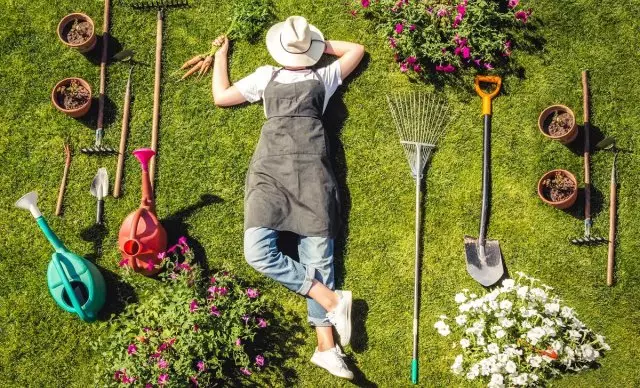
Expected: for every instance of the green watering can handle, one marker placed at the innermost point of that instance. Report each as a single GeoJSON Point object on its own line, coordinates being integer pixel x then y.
{"type": "Point", "coordinates": [414, 371]}
{"type": "Point", "coordinates": [67, 286]}
{"type": "Point", "coordinates": [53, 239]}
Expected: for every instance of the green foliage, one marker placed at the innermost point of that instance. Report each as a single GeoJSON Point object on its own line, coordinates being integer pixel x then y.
{"type": "Point", "coordinates": [187, 328]}
{"type": "Point", "coordinates": [445, 35]}
{"type": "Point", "coordinates": [250, 17]}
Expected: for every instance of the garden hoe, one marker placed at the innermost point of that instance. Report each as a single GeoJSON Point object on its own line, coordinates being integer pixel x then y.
{"type": "Point", "coordinates": [587, 239]}
{"type": "Point", "coordinates": [159, 5]}
{"type": "Point", "coordinates": [74, 282]}
{"type": "Point", "coordinates": [420, 119]}
{"type": "Point", "coordinates": [65, 175]}
{"type": "Point", "coordinates": [99, 148]}
{"type": "Point", "coordinates": [484, 260]}
{"type": "Point", "coordinates": [609, 144]}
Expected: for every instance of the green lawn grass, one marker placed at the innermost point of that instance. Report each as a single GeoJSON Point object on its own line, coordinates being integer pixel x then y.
{"type": "Point", "coordinates": [205, 151]}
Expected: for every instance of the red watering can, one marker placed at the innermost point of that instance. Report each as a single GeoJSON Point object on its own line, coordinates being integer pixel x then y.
{"type": "Point", "coordinates": [141, 236]}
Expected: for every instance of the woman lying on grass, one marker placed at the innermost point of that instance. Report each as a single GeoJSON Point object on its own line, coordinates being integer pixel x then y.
{"type": "Point", "coordinates": [290, 184]}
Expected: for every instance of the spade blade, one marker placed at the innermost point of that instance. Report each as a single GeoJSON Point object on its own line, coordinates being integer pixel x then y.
{"type": "Point", "coordinates": [487, 270]}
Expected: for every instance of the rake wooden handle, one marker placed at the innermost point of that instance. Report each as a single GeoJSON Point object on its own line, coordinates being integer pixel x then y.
{"type": "Point", "coordinates": [587, 159]}
{"type": "Point", "coordinates": [612, 228]}
{"type": "Point", "coordinates": [103, 63]}
{"type": "Point", "coordinates": [63, 183]}
{"type": "Point", "coordinates": [123, 138]}
{"type": "Point", "coordinates": [156, 97]}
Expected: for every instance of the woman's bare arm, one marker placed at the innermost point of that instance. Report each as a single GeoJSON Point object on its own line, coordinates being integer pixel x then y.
{"type": "Point", "coordinates": [223, 93]}
{"type": "Point", "coordinates": [349, 55]}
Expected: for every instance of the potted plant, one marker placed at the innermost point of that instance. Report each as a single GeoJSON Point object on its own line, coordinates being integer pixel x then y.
{"type": "Point", "coordinates": [558, 188]}
{"type": "Point", "coordinates": [77, 31]}
{"type": "Point", "coordinates": [72, 96]}
{"type": "Point", "coordinates": [558, 122]}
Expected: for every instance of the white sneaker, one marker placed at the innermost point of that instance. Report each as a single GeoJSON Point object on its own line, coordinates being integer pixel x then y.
{"type": "Point", "coordinates": [332, 361]}
{"type": "Point", "coordinates": [340, 317]}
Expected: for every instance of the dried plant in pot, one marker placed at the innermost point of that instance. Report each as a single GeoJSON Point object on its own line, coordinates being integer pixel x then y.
{"type": "Point", "coordinates": [558, 122]}
{"type": "Point", "coordinates": [558, 188]}
{"type": "Point", "coordinates": [77, 31]}
{"type": "Point", "coordinates": [72, 96]}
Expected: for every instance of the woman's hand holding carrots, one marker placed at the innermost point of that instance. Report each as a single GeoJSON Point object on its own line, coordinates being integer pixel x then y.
{"type": "Point", "coordinates": [202, 63]}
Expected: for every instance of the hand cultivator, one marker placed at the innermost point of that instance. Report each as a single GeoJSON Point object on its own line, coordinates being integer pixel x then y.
{"type": "Point", "coordinates": [420, 120]}
{"type": "Point", "coordinates": [587, 239]}
{"type": "Point", "coordinates": [159, 5]}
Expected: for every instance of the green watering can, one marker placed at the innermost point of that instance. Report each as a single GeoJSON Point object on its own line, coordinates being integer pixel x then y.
{"type": "Point", "coordinates": [74, 283]}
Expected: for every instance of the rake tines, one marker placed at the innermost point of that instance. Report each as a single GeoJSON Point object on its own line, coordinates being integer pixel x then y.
{"type": "Point", "coordinates": [589, 240]}
{"type": "Point", "coordinates": [99, 149]}
{"type": "Point", "coordinates": [159, 4]}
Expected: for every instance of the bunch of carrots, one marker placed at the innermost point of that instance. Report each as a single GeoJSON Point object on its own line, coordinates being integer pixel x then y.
{"type": "Point", "coordinates": [200, 64]}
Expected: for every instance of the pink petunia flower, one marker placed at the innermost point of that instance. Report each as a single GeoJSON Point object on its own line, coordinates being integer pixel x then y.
{"type": "Point", "coordinates": [523, 16]}
{"type": "Point", "coordinates": [462, 9]}
{"type": "Point", "coordinates": [513, 3]}
{"type": "Point", "coordinates": [132, 349]}
{"type": "Point", "coordinates": [238, 342]}
{"type": "Point", "coordinates": [478, 62]}
{"type": "Point", "coordinates": [193, 306]}
{"type": "Point", "coordinates": [194, 380]}
{"type": "Point", "coordinates": [245, 371]}
{"type": "Point", "coordinates": [411, 60]}
{"type": "Point", "coordinates": [457, 21]}
{"type": "Point", "coordinates": [262, 323]}
{"type": "Point", "coordinates": [163, 379]}
{"type": "Point", "coordinates": [488, 66]}
{"type": "Point", "coordinates": [212, 280]}
{"type": "Point", "coordinates": [172, 249]}
{"type": "Point", "coordinates": [252, 293]}
{"type": "Point", "coordinates": [446, 69]}
{"type": "Point", "coordinates": [123, 263]}
{"type": "Point", "coordinates": [162, 255]}
{"type": "Point", "coordinates": [156, 355]}
{"type": "Point", "coordinates": [148, 385]}
{"type": "Point", "coordinates": [404, 67]}
{"type": "Point", "coordinates": [466, 52]}
{"type": "Point", "coordinates": [392, 42]}
{"type": "Point", "coordinates": [128, 380]}
{"type": "Point", "coordinates": [201, 366]}
{"type": "Point", "coordinates": [399, 28]}
{"type": "Point", "coordinates": [119, 374]}
{"type": "Point", "coordinates": [442, 12]}
{"type": "Point", "coordinates": [353, 12]}
{"type": "Point", "coordinates": [162, 363]}
{"type": "Point", "coordinates": [245, 318]}
{"type": "Point", "coordinates": [260, 360]}
{"type": "Point", "coordinates": [507, 49]}
{"type": "Point", "coordinates": [196, 328]}
{"type": "Point", "coordinates": [182, 240]}
{"type": "Point", "coordinates": [215, 311]}
{"type": "Point", "coordinates": [412, 27]}
{"type": "Point", "coordinates": [222, 291]}
{"type": "Point", "coordinates": [417, 68]}
{"type": "Point", "coordinates": [365, 3]}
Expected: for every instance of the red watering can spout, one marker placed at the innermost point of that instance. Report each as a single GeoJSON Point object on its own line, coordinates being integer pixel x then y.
{"type": "Point", "coordinates": [144, 155]}
{"type": "Point", "coordinates": [131, 247]}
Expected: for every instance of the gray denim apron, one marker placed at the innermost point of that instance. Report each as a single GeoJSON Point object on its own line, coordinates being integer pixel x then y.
{"type": "Point", "coordinates": [290, 183]}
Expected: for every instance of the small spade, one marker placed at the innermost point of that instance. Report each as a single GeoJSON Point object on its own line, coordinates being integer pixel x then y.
{"type": "Point", "coordinates": [100, 189]}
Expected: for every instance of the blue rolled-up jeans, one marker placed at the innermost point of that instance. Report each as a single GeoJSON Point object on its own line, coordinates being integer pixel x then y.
{"type": "Point", "coordinates": [316, 262]}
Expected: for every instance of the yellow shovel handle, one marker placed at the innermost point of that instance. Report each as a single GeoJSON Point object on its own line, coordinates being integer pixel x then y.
{"type": "Point", "coordinates": [487, 97]}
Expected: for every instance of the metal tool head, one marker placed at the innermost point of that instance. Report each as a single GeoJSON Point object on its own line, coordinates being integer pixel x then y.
{"type": "Point", "coordinates": [589, 240]}
{"type": "Point", "coordinates": [99, 150]}
{"type": "Point", "coordinates": [484, 263]}
{"type": "Point", "coordinates": [100, 184]}
{"type": "Point", "coordinates": [148, 4]}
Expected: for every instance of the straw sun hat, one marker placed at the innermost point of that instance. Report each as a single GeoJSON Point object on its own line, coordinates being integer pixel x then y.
{"type": "Point", "coordinates": [295, 42]}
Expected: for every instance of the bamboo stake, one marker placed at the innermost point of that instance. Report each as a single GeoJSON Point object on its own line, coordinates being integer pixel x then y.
{"type": "Point", "coordinates": [123, 137]}
{"type": "Point", "coordinates": [65, 175]}
{"type": "Point", "coordinates": [156, 97]}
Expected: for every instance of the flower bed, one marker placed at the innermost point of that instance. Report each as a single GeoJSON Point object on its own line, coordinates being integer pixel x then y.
{"type": "Point", "coordinates": [445, 36]}
{"type": "Point", "coordinates": [519, 335]}
{"type": "Point", "coordinates": [187, 329]}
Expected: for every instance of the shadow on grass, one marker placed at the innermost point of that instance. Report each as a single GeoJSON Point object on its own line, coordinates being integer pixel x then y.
{"type": "Point", "coordinates": [176, 227]}
{"type": "Point", "coordinates": [119, 294]}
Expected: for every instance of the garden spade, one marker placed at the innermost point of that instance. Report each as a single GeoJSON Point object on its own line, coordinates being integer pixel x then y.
{"type": "Point", "coordinates": [100, 189]}
{"type": "Point", "coordinates": [484, 260]}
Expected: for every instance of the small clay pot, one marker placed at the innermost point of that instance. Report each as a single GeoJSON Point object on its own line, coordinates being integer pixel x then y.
{"type": "Point", "coordinates": [67, 22]}
{"type": "Point", "coordinates": [77, 112]}
{"type": "Point", "coordinates": [565, 203]}
{"type": "Point", "coordinates": [544, 119]}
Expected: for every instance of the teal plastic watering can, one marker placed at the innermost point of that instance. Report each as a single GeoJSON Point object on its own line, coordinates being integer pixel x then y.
{"type": "Point", "coordinates": [74, 283]}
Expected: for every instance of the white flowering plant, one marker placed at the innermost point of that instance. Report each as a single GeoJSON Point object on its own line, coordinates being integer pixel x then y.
{"type": "Point", "coordinates": [518, 334]}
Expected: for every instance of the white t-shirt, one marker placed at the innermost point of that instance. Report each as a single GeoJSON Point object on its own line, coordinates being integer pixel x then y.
{"type": "Point", "coordinates": [252, 86]}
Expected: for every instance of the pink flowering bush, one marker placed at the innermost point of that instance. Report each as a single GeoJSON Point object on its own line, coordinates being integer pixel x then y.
{"type": "Point", "coordinates": [187, 330]}
{"type": "Point", "coordinates": [446, 36]}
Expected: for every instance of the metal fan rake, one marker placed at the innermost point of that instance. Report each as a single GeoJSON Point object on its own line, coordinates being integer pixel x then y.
{"type": "Point", "coordinates": [420, 119]}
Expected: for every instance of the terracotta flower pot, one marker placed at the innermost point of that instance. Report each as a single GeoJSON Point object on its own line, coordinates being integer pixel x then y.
{"type": "Point", "coordinates": [77, 112]}
{"type": "Point", "coordinates": [565, 203]}
{"type": "Point", "coordinates": [65, 25]}
{"type": "Point", "coordinates": [544, 120]}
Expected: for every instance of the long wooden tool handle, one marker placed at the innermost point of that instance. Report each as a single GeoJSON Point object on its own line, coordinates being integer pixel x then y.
{"type": "Point", "coordinates": [156, 98]}
{"type": "Point", "coordinates": [612, 227]}
{"type": "Point", "coordinates": [123, 137]}
{"type": "Point", "coordinates": [587, 160]}
{"type": "Point", "coordinates": [103, 63]}
{"type": "Point", "coordinates": [65, 175]}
